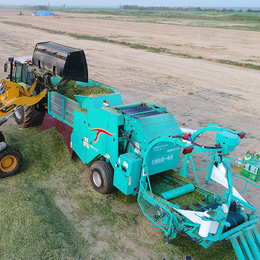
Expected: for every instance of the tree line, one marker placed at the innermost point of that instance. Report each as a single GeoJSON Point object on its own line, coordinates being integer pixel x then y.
{"type": "Point", "coordinates": [161, 8]}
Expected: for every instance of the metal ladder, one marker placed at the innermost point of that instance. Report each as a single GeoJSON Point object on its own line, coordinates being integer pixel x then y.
{"type": "Point", "coordinates": [246, 243]}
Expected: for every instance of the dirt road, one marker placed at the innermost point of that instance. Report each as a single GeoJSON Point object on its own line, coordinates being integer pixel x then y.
{"type": "Point", "coordinates": [196, 91]}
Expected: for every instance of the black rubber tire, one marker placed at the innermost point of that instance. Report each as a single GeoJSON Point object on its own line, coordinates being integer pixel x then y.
{"type": "Point", "coordinates": [25, 116]}
{"type": "Point", "coordinates": [2, 88]}
{"type": "Point", "coordinates": [10, 161]}
{"type": "Point", "coordinates": [101, 177]}
{"type": "Point", "coordinates": [2, 137]}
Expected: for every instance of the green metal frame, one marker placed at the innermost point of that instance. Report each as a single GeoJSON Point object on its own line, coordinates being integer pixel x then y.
{"type": "Point", "coordinates": [166, 216]}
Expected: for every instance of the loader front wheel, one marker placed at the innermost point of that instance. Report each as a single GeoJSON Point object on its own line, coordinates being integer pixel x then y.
{"type": "Point", "coordinates": [101, 177]}
{"type": "Point", "coordinates": [10, 162]}
{"type": "Point", "coordinates": [25, 116]}
{"type": "Point", "coordinates": [2, 137]}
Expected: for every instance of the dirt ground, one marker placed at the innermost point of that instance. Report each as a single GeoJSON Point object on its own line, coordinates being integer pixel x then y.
{"type": "Point", "coordinates": [196, 91]}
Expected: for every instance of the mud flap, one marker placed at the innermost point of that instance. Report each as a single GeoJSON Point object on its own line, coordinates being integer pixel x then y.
{"type": "Point", "coordinates": [65, 130]}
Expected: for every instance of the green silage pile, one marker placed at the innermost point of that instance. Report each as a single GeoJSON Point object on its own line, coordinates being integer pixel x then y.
{"type": "Point", "coordinates": [32, 226]}
{"type": "Point", "coordinates": [165, 182]}
{"type": "Point", "coordinates": [86, 91]}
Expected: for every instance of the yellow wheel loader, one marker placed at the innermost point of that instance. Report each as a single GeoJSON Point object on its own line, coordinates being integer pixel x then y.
{"type": "Point", "coordinates": [14, 97]}
{"type": "Point", "coordinates": [24, 93]}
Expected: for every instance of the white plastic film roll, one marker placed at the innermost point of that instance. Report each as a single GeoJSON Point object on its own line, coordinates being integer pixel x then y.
{"type": "Point", "coordinates": [204, 228]}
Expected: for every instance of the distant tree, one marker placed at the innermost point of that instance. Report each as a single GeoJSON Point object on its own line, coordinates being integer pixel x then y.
{"type": "Point", "coordinates": [130, 7]}
{"type": "Point", "coordinates": [253, 11]}
{"type": "Point", "coordinates": [40, 7]}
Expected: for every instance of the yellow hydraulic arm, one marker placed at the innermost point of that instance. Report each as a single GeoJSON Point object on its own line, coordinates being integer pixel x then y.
{"type": "Point", "coordinates": [16, 96]}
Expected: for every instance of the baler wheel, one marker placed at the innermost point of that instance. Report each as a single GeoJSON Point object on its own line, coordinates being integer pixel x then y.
{"type": "Point", "coordinates": [101, 177]}
{"type": "Point", "coordinates": [10, 161]}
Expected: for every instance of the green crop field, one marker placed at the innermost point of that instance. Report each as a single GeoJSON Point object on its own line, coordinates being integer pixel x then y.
{"type": "Point", "coordinates": [198, 17]}
{"type": "Point", "coordinates": [240, 20]}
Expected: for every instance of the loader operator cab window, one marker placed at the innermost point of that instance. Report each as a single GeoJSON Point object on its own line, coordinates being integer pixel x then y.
{"type": "Point", "coordinates": [30, 76]}
{"type": "Point", "coordinates": [18, 72]}
{"type": "Point", "coordinates": [23, 74]}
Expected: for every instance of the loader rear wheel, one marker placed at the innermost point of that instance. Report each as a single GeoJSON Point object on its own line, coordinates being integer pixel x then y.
{"type": "Point", "coordinates": [25, 116]}
{"type": "Point", "coordinates": [101, 177]}
{"type": "Point", "coordinates": [10, 161]}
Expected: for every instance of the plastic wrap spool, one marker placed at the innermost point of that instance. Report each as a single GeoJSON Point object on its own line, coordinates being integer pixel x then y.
{"type": "Point", "coordinates": [204, 228]}
{"type": "Point", "coordinates": [171, 194]}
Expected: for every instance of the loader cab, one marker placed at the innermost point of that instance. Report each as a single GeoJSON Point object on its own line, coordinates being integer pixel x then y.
{"type": "Point", "coordinates": [20, 70]}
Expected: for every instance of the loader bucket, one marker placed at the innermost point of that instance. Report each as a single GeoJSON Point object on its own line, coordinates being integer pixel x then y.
{"type": "Point", "coordinates": [59, 60]}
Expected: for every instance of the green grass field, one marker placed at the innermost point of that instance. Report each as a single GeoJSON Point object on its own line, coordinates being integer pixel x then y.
{"type": "Point", "coordinates": [239, 20]}
{"type": "Point", "coordinates": [211, 18]}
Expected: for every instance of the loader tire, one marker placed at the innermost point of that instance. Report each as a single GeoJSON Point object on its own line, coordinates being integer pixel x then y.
{"type": "Point", "coordinates": [10, 161]}
{"type": "Point", "coordinates": [25, 116]}
{"type": "Point", "coordinates": [2, 88]}
{"type": "Point", "coordinates": [101, 177]}
{"type": "Point", "coordinates": [2, 137]}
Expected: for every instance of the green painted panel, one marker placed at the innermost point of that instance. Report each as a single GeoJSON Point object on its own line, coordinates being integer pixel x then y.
{"type": "Point", "coordinates": [127, 173]}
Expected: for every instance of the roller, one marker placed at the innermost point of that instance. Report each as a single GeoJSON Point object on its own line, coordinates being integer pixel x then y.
{"type": "Point", "coordinates": [171, 194]}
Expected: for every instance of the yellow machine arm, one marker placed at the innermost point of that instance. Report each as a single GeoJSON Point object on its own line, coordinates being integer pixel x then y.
{"type": "Point", "coordinates": [15, 96]}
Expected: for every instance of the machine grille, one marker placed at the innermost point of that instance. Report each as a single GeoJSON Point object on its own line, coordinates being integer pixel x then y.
{"type": "Point", "coordinates": [140, 111]}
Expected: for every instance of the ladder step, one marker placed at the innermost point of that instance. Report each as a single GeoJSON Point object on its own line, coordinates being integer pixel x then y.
{"type": "Point", "coordinates": [246, 247]}
{"type": "Point", "coordinates": [237, 248]}
{"type": "Point", "coordinates": [246, 244]}
{"type": "Point", "coordinates": [257, 236]}
{"type": "Point", "coordinates": [252, 243]}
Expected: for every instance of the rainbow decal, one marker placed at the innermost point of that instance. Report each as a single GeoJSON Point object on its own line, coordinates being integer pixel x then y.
{"type": "Point", "coordinates": [99, 131]}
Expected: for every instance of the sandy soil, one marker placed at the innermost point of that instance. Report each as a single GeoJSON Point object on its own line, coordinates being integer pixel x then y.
{"type": "Point", "coordinates": [196, 91]}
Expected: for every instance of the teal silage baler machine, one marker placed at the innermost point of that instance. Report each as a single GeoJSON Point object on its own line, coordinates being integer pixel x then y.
{"type": "Point", "coordinates": [134, 148]}
{"type": "Point", "coordinates": [137, 145]}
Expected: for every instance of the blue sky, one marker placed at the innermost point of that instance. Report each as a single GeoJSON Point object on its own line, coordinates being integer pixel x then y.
{"type": "Point", "coordinates": [192, 3]}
